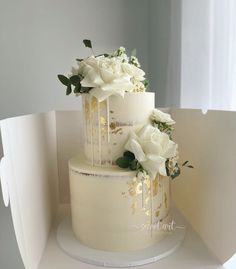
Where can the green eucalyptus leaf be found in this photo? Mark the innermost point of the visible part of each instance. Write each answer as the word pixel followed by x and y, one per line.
pixel 129 155
pixel 133 165
pixel 190 166
pixel 77 88
pixel 68 89
pixel 85 89
pixel 123 162
pixel 176 174
pixel 64 80
pixel 167 172
pixel 87 43
pixel 145 83
pixel 103 54
pixel 74 80
pixel 184 163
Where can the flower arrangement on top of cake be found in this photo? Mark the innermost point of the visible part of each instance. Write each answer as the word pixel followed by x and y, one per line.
pixel 149 150
pixel 105 75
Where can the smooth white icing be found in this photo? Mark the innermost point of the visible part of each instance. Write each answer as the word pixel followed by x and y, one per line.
pixel 107 124
pixel 105 213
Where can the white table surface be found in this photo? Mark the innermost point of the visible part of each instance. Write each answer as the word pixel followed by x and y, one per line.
pixel 192 254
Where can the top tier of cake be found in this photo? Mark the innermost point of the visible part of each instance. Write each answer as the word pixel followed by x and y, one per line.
pixel 107 124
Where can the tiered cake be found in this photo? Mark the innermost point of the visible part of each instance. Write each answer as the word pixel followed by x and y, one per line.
pixel 112 208
pixel 119 184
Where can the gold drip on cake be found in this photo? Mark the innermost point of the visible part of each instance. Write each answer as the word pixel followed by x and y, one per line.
pixel 108 119
pixel 99 134
pixel 91 129
pixel 142 195
pixel 151 204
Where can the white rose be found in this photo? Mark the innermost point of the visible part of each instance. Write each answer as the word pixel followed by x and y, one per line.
pixel 135 72
pixel 152 148
pixel 138 86
pixel 106 76
pixel 158 115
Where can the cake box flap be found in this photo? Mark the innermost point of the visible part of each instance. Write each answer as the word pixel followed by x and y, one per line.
pixel 29 147
pixel 206 194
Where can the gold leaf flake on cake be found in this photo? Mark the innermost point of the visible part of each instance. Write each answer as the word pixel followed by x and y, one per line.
pixel 147 200
pixel 104 132
pixel 103 121
pixel 138 188
pixel 157 213
pixel 103 104
pixel 134 207
pixel 165 199
pixel 147 184
pixel 87 110
pixel 116 131
pixel 94 104
pixel 155 186
pixel 132 186
pixel 148 212
pixel 113 125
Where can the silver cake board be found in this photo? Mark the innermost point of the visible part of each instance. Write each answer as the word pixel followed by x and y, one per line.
pixel 72 247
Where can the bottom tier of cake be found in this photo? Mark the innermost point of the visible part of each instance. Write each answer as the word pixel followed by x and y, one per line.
pixel 113 210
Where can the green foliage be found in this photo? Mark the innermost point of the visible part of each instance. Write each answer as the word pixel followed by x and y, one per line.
pixel 176 172
pixel 77 88
pixel 64 80
pixel 133 165
pixel 129 155
pixel 68 89
pixel 75 79
pixel 123 162
pixel 127 161
pixel 87 43
pixel 73 83
pixel 186 164
pixel 104 54
pixel 164 127
pixel 145 83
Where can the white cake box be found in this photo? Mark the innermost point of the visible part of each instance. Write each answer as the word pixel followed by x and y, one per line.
pixel 34 177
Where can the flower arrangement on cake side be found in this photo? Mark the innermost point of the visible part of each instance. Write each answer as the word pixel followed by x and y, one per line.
pixel 105 75
pixel 151 151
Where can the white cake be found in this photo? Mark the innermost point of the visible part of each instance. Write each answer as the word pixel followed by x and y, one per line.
pixel 112 209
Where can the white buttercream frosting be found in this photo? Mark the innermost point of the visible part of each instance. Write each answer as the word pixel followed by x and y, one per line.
pixel 107 207
pixel 107 124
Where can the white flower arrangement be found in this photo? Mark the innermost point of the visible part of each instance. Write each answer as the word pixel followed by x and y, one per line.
pixel 151 150
pixel 159 116
pixel 105 75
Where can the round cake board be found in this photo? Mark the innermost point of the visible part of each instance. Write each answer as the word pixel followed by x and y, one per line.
pixel 72 247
